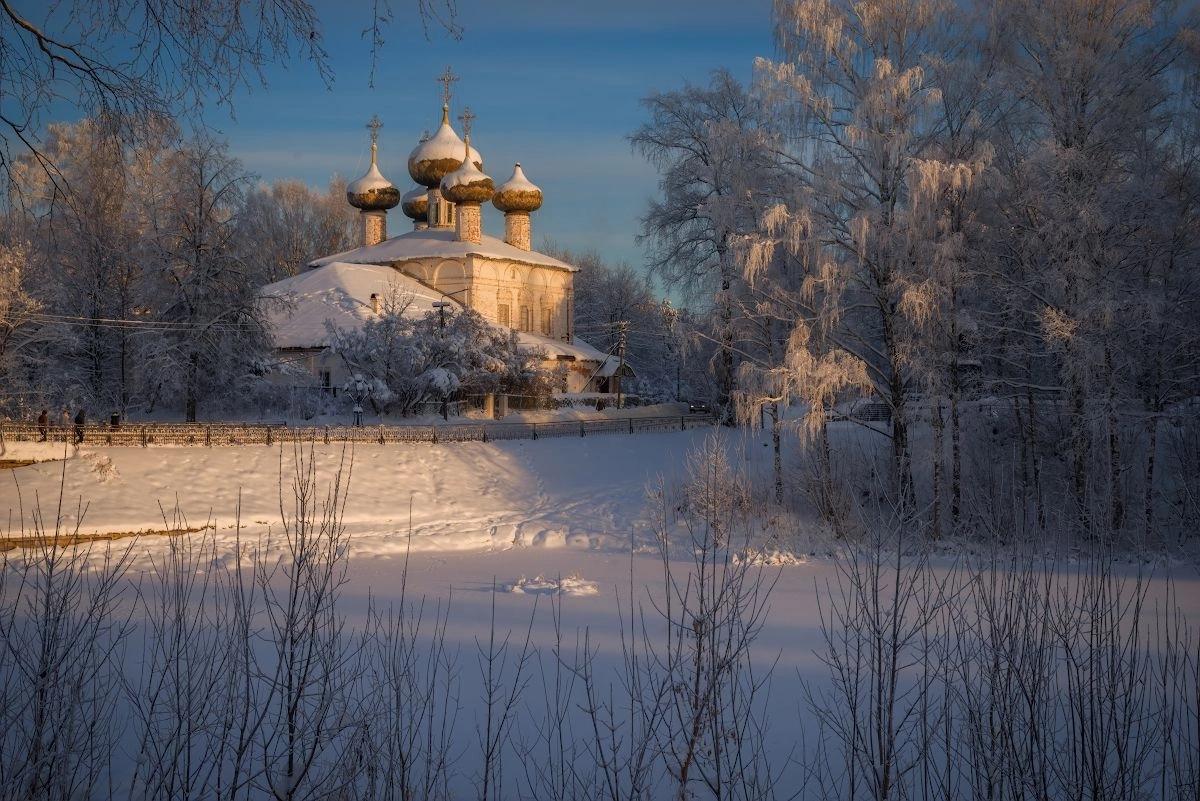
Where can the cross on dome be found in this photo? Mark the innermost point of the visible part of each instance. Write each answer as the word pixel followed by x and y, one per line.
pixel 467 117
pixel 447 79
pixel 374 125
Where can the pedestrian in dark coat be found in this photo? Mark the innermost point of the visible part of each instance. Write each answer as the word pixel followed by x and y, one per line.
pixel 80 419
pixel 43 425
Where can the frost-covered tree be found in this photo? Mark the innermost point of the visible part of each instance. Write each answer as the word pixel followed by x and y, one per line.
pixel 17 308
pixel 287 223
pixel 714 159
pixel 411 359
pixel 853 92
pixel 87 250
pixel 212 335
pixel 660 339
pixel 1080 213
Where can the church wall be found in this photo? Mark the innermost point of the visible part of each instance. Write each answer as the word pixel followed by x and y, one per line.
pixel 538 299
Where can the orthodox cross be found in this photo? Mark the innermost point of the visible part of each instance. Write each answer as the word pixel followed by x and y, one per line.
pixel 375 125
pixel 467 117
pixel 447 79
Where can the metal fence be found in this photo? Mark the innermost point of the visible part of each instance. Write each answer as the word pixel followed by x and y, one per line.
pixel 224 434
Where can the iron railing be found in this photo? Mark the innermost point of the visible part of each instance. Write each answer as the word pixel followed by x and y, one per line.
pixel 225 434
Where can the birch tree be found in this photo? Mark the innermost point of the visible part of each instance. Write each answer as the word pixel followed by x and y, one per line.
pixel 854 94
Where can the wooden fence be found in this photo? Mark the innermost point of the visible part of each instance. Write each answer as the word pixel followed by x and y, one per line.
pixel 224 434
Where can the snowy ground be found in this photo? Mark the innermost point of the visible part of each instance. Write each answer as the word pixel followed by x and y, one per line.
pixel 586 493
pixel 497 529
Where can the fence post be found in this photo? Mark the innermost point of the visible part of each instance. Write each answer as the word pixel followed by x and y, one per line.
pixel 434 430
pixel 268 435
pixel 484 429
pixel 682 423
pixel 582 428
pixel 208 436
pixel 630 425
pixel 326 435
pixel 534 427
pixel 143 436
pixel 382 440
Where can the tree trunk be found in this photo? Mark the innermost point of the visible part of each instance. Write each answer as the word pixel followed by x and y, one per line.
pixel 1034 465
pixel 1079 451
pixel 776 442
pixel 1115 500
pixel 1148 494
pixel 955 447
pixel 935 416
pixel 725 381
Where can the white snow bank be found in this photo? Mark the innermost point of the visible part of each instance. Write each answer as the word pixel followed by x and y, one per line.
pixel 36 451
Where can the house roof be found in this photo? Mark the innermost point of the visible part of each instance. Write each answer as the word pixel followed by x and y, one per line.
pixel 297 308
pixel 577 350
pixel 442 243
pixel 341 294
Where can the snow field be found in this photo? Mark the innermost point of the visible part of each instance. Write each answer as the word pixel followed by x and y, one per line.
pixel 585 493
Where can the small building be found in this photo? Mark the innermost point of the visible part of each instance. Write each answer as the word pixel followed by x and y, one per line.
pixel 445 258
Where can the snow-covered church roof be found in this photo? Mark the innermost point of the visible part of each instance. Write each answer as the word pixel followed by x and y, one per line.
pixel 340 293
pixel 442 243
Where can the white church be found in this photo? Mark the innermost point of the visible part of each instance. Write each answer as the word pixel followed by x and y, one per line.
pixel 445 259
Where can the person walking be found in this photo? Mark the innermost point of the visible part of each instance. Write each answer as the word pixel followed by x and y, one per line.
pixel 43 425
pixel 80 419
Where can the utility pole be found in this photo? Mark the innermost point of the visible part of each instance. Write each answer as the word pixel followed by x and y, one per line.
pixel 622 339
pixel 671 317
pixel 441 306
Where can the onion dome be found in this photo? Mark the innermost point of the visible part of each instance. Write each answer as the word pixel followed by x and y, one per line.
pixel 440 155
pixel 372 192
pixel 467 184
pixel 518 193
pixel 415 204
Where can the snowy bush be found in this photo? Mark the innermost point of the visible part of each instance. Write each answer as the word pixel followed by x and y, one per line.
pixel 410 361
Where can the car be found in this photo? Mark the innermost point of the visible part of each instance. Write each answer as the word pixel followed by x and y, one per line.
pixel 698 407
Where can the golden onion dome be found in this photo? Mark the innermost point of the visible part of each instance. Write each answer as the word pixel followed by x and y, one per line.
pixel 372 192
pixel 415 203
pixel 467 184
pixel 518 193
pixel 439 155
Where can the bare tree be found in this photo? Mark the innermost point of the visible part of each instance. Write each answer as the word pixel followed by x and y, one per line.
pixel 64 619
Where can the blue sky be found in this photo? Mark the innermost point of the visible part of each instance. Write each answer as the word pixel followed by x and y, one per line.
pixel 554 85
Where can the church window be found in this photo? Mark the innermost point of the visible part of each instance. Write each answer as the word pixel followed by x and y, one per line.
pixel 503 316
pixel 526 318
pixel 546 321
